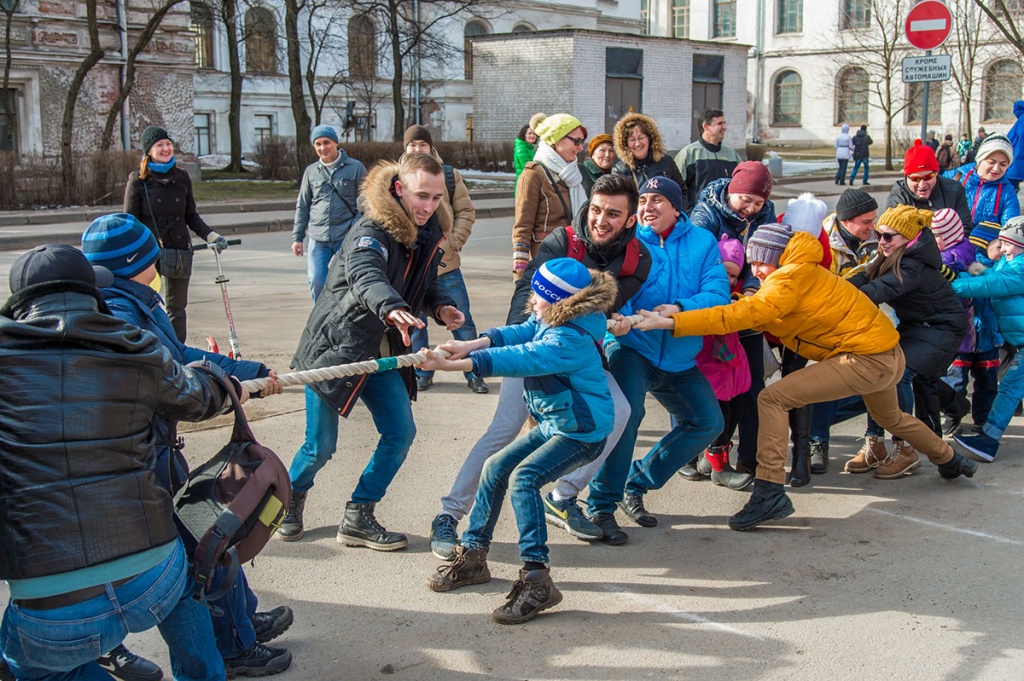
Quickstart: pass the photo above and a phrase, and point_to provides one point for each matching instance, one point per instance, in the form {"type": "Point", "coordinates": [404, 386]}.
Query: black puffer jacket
{"type": "Point", "coordinates": [946, 194]}
{"type": "Point", "coordinates": [607, 258]}
{"type": "Point", "coordinates": [932, 322]}
{"type": "Point", "coordinates": [78, 391]}
{"type": "Point", "coordinates": [386, 263]}
{"type": "Point", "coordinates": [164, 202]}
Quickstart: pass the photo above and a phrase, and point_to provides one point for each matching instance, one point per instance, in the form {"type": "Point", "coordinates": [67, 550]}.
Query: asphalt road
{"type": "Point", "coordinates": [916, 578]}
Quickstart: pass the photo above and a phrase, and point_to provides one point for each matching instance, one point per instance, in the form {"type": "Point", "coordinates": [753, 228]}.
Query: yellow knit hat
{"type": "Point", "coordinates": [906, 220]}
{"type": "Point", "coordinates": [554, 128]}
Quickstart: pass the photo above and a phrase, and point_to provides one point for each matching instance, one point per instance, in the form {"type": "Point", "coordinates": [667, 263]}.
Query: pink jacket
{"type": "Point", "coordinates": [724, 363]}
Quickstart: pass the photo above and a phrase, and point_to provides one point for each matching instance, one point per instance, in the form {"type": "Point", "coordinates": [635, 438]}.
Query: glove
{"type": "Point", "coordinates": [520, 260]}
{"type": "Point", "coordinates": [218, 242]}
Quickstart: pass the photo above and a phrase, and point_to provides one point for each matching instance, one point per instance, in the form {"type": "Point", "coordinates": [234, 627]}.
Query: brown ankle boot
{"type": "Point", "coordinates": [533, 591]}
{"type": "Point", "coordinates": [469, 566]}
{"type": "Point", "coordinates": [870, 456]}
{"type": "Point", "coordinates": [902, 461]}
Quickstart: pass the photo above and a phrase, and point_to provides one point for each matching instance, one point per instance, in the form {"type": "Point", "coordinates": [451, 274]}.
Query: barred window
{"type": "Point", "coordinates": [723, 23]}
{"type": "Point", "coordinates": [855, 14]}
{"type": "Point", "coordinates": [791, 16]}
{"type": "Point", "coordinates": [788, 93]}
{"type": "Point", "coordinates": [1003, 85]}
{"type": "Point", "coordinates": [473, 29]}
{"type": "Point", "coordinates": [852, 87]}
{"type": "Point", "coordinates": [260, 41]}
{"type": "Point", "coordinates": [362, 47]}
{"type": "Point", "coordinates": [680, 18]}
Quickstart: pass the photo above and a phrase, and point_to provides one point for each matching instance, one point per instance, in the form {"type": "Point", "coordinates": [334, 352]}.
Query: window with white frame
{"type": "Point", "coordinates": [203, 127]}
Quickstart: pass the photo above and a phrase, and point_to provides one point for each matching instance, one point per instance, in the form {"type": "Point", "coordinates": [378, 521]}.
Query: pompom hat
{"type": "Point", "coordinates": [557, 126]}
{"type": "Point", "coordinates": [905, 220]}
{"type": "Point", "coordinates": [806, 213]}
{"type": "Point", "coordinates": [918, 158]}
{"type": "Point", "coordinates": [559, 278]}
{"type": "Point", "coordinates": [731, 250]}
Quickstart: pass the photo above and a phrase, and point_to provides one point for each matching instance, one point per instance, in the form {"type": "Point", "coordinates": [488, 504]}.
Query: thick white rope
{"type": "Point", "coordinates": [358, 368]}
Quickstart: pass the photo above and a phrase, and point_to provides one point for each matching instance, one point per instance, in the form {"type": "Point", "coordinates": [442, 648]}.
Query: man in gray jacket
{"type": "Point", "coordinates": [326, 206]}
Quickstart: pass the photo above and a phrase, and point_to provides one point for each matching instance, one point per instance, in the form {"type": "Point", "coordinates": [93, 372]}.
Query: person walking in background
{"type": "Point", "coordinates": [326, 206]}
{"type": "Point", "coordinates": [602, 158]}
{"type": "Point", "coordinates": [931, 141]}
{"type": "Point", "coordinates": [641, 151]}
{"type": "Point", "coordinates": [706, 159]}
{"type": "Point", "coordinates": [525, 144]}
{"type": "Point", "coordinates": [844, 150]}
{"type": "Point", "coordinates": [550, 190]}
{"type": "Point", "coordinates": [861, 152]}
{"type": "Point", "coordinates": [159, 195]}
{"type": "Point", "coordinates": [944, 154]}
{"type": "Point", "coordinates": [457, 202]}
{"type": "Point", "coordinates": [962, 148]}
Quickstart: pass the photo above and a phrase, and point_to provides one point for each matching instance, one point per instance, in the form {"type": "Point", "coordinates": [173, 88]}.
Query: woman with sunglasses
{"type": "Point", "coordinates": [923, 187]}
{"type": "Point", "coordinates": [906, 273]}
{"type": "Point", "coordinates": [550, 189]}
{"type": "Point", "coordinates": [641, 151]}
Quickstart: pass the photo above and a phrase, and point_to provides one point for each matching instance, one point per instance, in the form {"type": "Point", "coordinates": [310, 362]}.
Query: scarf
{"type": "Point", "coordinates": [161, 167]}
{"type": "Point", "coordinates": [569, 172]}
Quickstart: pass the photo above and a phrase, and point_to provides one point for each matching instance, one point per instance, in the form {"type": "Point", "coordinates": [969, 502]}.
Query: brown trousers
{"type": "Point", "coordinates": [873, 377]}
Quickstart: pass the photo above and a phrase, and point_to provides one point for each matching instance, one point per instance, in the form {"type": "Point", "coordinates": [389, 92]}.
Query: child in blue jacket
{"type": "Point", "coordinates": [1003, 285]}
{"type": "Point", "coordinates": [558, 352]}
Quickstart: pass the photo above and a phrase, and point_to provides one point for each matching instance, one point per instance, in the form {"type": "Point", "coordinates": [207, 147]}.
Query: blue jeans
{"type": "Point", "coordinates": [526, 465]}
{"type": "Point", "coordinates": [856, 166]}
{"type": "Point", "coordinates": [825, 414]}
{"type": "Point", "coordinates": [318, 259]}
{"type": "Point", "coordinates": [983, 367]}
{"type": "Point", "coordinates": [385, 395]}
{"type": "Point", "coordinates": [233, 628]}
{"type": "Point", "coordinates": [452, 285]}
{"type": "Point", "coordinates": [62, 644]}
{"type": "Point", "coordinates": [686, 395]}
{"type": "Point", "coordinates": [1011, 391]}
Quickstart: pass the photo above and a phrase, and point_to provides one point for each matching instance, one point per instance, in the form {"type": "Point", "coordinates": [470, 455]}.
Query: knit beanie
{"type": "Point", "coordinates": [120, 243]}
{"type": "Point", "coordinates": [731, 250]}
{"type": "Point", "coordinates": [984, 233]}
{"type": "Point", "coordinates": [946, 223]}
{"type": "Point", "coordinates": [767, 244]}
{"type": "Point", "coordinates": [559, 278]}
{"type": "Point", "coordinates": [151, 136]}
{"type": "Point", "coordinates": [598, 141]}
{"type": "Point", "coordinates": [1013, 231]}
{"type": "Point", "coordinates": [993, 143]}
{"type": "Point", "coordinates": [416, 133]}
{"type": "Point", "coordinates": [906, 220]}
{"type": "Point", "coordinates": [327, 131]}
{"type": "Point", "coordinates": [806, 213]}
{"type": "Point", "coordinates": [751, 177]}
{"type": "Point", "coordinates": [554, 128]}
{"type": "Point", "coordinates": [536, 119]}
{"type": "Point", "coordinates": [667, 187]}
{"type": "Point", "coordinates": [919, 157]}
{"type": "Point", "coordinates": [854, 202]}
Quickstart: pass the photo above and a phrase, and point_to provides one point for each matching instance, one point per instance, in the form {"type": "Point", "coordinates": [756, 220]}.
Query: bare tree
{"type": "Point", "coordinates": [967, 41]}
{"type": "Point", "coordinates": [1008, 17]}
{"type": "Point", "coordinates": [292, 8]}
{"type": "Point", "coordinates": [96, 52]}
{"type": "Point", "coordinates": [325, 68]}
{"type": "Point", "coordinates": [7, 105]}
{"type": "Point", "coordinates": [141, 45]}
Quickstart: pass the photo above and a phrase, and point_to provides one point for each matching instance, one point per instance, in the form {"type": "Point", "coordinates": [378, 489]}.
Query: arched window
{"type": "Point", "coordinates": [523, 28]}
{"type": "Point", "coordinates": [474, 28]}
{"type": "Point", "coordinates": [915, 103]}
{"type": "Point", "coordinates": [260, 41]}
{"type": "Point", "coordinates": [852, 96]}
{"type": "Point", "coordinates": [202, 34]}
{"type": "Point", "coordinates": [362, 47]}
{"type": "Point", "coordinates": [787, 95]}
{"type": "Point", "coordinates": [1003, 85]}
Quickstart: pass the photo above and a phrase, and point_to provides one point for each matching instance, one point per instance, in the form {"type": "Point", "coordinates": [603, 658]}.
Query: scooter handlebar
{"type": "Point", "coordinates": [203, 246]}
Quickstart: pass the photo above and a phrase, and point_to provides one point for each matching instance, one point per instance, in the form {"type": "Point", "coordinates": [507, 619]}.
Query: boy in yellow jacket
{"type": "Point", "coordinates": [821, 317]}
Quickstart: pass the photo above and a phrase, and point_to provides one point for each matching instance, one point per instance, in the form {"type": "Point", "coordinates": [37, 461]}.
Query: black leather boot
{"type": "Point", "coordinates": [800, 429]}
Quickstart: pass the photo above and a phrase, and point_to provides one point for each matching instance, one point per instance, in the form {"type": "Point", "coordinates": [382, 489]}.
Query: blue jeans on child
{"type": "Point", "coordinates": [526, 465]}
{"type": "Point", "coordinates": [1011, 391]}
{"type": "Point", "coordinates": [454, 286]}
{"type": "Point", "coordinates": [62, 644]}
{"type": "Point", "coordinates": [686, 395]}
{"type": "Point", "coordinates": [385, 395]}
{"type": "Point", "coordinates": [825, 414]}
{"type": "Point", "coordinates": [318, 259]}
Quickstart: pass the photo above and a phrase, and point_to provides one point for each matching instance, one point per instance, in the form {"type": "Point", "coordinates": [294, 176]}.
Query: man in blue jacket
{"type": "Point", "coordinates": [686, 274]}
{"type": "Point", "coordinates": [326, 207]}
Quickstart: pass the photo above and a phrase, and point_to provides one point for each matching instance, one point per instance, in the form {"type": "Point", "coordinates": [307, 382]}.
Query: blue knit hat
{"type": "Point", "coordinates": [120, 243]}
{"type": "Point", "coordinates": [667, 187]}
{"type": "Point", "coordinates": [560, 278]}
{"type": "Point", "coordinates": [324, 131]}
{"type": "Point", "coordinates": [984, 233]}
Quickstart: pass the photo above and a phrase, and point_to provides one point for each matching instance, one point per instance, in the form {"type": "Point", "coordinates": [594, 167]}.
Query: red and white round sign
{"type": "Point", "coordinates": [928, 24]}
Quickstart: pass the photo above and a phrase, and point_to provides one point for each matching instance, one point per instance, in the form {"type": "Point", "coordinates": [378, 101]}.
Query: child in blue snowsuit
{"type": "Point", "coordinates": [558, 352]}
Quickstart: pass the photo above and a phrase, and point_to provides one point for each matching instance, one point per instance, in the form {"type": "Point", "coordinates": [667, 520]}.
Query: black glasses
{"type": "Point", "coordinates": [884, 236]}
{"type": "Point", "coordinates": [577, 141]}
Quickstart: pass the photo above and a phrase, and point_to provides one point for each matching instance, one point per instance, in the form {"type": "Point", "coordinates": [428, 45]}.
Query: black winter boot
{"type": "Point", "coordinates": [768, 502]}
{"type": "Point", "coordinates": [800, 426]}
{"type": "Point", "coordinates": [360, 528]}
{"type": "Point", "coordinates": [533, 591]}
{"type": "Point", "coordinates": [291, 527]}
{"type": "Point", "coordinates": [957, 466]}
{"type": "Point", "coordinates": [819, 457]}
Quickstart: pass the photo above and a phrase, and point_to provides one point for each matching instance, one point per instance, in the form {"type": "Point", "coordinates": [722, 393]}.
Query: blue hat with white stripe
{"type": "Point", "coordinates": [120, 243]}
{"type": "Point", "coordinates": [560, 278]}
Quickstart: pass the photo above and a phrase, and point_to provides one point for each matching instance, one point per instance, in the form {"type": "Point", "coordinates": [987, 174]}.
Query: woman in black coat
{"type": "Point", "coordinates": [160, 196]}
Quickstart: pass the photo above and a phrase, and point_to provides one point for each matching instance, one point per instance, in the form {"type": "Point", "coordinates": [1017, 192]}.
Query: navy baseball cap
{"type": "Point", "coordinates": [56, 262]}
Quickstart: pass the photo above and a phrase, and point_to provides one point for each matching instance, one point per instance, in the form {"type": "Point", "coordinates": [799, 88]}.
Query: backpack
{"type": "Point", "coordinates": [449, 182]}
{"type": "Point", "coordinates": [577, 250]}
{"type": "Point", "coordinates": [232, 504]}
{"type": "Point", "coordinates": [944, 157]}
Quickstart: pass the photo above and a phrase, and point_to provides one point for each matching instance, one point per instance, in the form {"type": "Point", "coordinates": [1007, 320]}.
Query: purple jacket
{"type": "Point", "coordinates": [958, 258]}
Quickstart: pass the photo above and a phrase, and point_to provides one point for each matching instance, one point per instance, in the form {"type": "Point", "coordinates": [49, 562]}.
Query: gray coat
{"type": "Point", "coordinates": [326, 206]}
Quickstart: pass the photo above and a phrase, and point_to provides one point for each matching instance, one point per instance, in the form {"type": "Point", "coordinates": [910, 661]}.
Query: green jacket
{"type": "Point", "coordinates": [523, 155]}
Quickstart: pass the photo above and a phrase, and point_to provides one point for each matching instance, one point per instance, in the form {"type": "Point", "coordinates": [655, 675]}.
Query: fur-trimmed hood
{"type": "Point", "coordinates": [599, 296]}
{"type": "Point", "coordinates": [621, 135]}
{"type": "Point", "coordinates": [380, 204]}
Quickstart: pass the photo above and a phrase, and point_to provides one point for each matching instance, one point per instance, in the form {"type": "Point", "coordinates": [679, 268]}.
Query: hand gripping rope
{"type": "Point", "coordinates": [358, 368]}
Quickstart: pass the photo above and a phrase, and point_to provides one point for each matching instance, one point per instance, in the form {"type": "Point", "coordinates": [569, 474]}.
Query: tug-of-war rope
{"type": "Point", "coordinates": [369, 366]}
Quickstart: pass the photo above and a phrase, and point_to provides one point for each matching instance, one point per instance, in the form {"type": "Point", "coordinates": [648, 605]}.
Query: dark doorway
{"type": "Point", "coordinates": [707, 87]}
{"type": "Point", "coordinates": [623, 84]}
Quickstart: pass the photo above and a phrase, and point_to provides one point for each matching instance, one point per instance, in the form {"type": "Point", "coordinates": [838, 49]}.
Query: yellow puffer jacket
{"type": "Point", "coordinates": [812, 311]}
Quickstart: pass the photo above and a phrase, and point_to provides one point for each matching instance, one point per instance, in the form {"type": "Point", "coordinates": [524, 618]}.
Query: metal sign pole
{"type": "Point", "coordinates": [924, 106]}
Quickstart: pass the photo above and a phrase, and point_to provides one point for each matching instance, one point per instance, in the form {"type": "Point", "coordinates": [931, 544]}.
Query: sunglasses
{"type": "Point", "coordinates": [577, 141]}
{"type": "Point", "coordinates": [922, 178]}
{"type": "Point", "coordinates": [884, 236]}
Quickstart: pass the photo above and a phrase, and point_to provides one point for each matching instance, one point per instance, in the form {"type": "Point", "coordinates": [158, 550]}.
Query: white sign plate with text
{"type": "Point", "coordinates": [929, 68]}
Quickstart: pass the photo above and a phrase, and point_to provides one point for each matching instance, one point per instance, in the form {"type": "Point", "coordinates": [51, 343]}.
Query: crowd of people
{"type": "Point", "coordinates": [635, 274]}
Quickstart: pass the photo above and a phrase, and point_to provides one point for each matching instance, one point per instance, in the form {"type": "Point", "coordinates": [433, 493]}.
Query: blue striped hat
{"type": "Point", "coordinates": [560, 278]}
{"type": "Point", "coordinates": [120, 243]}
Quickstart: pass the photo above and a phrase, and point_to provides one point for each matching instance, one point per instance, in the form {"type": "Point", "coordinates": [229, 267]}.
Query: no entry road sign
{"type": "Point", "coordinates": [928, 24]}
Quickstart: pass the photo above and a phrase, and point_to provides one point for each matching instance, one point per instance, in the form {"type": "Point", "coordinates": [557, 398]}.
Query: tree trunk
{"type": "Point", "coordinates": [67, 162]}
{"type": "Point", "coordinates": [230, 16]}
{"type": "Point", "coordinates": [396, 82]}
{"type": "Point", "coordinates": [302, 121]}
{"type": "Point", "coordinates": [8, 101]}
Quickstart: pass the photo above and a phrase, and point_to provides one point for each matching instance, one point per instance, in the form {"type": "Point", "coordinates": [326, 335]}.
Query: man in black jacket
{"type": "Point", "coordinates": [602, 237]}
{"type": "Point", "coordinates": [383, 278]}
{"type": "Point", "coordinates": [88, 542]}
{"type": "Point", "coordinates": [923, 187]}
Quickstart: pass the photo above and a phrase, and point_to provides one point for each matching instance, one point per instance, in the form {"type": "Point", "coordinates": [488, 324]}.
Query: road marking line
{"type": "Point", "coordinates": [928, 25]}
{"type": "Point", "coordinates": [950, 528]}
{"type": "Point", "coordinates": [659, 606]}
